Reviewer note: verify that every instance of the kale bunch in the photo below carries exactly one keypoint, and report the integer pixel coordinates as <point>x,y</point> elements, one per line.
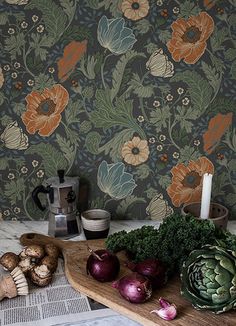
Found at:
<point>176,237</point>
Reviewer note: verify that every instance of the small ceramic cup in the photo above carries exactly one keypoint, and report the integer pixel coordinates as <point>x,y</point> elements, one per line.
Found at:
<point>95,223</point>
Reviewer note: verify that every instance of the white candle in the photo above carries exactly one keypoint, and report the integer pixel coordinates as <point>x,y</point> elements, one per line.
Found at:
<point>206,196</point>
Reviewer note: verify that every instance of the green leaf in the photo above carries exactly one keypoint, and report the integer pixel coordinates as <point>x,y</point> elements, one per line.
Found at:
<point>3,163</point>
<point>66,147</point>
<point>53,16</point>
<point>159,117</point>
<point>232,164</point>
<point>14,44</point>
<point>188,8</point>
<point>230,54</point>
<point>218,37</point>
<point>125,205</point>
<point>92,142</point>
<point>3,18</point>
<point>219,183</point>
<point>222,104</point>
<point>43,81</point>
<point>188,153</point>
<point>72,111</point>
<point>68,7</point>
<point>114,7</point>
<point>52,159</point>
<point>164,35</point>
<point>113,146</point>
<point>164,180</point>
<point>14,190</point>
<point>18,108</point>
<point>40,44</point>
<point>142,171</point>
<point>232,18</point>
<point>199,89</point>
<point>142,26</point>
<point>5,120</point>
<point>77,33</point>
<point>233,70</point>
<point>230,199</point>
<point>87,66</point>
<point>142,91</point>
<point>106,115</point>
<point>118,72</point>
<point>2,98</point>
<point>213,76</point>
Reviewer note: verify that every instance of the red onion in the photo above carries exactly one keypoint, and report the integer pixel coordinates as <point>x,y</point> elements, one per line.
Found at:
<point>134,287</point>
<point>153,269</point>
<point>102,265</point>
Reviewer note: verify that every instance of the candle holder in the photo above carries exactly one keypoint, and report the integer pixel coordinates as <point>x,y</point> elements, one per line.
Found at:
<point>218,213</point>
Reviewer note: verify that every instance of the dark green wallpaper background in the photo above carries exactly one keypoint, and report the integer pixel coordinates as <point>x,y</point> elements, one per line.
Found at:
<point>137,97</point>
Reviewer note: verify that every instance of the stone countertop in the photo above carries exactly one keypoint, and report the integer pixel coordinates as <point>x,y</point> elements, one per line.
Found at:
<point>10,231</point>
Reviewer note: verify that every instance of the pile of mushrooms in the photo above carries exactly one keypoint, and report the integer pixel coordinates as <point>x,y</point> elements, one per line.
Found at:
<point>38,263</point>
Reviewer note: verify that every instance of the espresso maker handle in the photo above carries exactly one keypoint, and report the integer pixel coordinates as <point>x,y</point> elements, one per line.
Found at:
<point>36,191</point>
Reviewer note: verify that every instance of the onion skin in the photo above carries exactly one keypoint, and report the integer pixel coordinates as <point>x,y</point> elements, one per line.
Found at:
<point>103,265</point>
<point>153,269</point>
<point>134,287</point>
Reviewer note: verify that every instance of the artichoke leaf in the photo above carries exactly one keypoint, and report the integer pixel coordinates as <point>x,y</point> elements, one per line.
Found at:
<point>205,295</point>
<point>226,263</point>
<point>232,292</point>
<point>224,278</point>
<point>210,274</point>
<point>209,263</point>
<point>222,295</point>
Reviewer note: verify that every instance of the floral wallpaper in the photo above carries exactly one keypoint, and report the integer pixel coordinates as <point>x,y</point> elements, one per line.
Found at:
<point>136,97</point>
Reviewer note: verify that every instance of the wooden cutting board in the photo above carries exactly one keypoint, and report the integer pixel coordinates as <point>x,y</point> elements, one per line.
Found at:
<point>75,255</point>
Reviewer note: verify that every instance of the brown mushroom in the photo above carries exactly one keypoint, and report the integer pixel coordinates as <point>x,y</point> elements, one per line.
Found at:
<point>51,250</point>
<point>34,251</point>
<point>22,254</point>
<point>26,265</point>
<point>50,262</point>
<point>40,275</point>
<point>9,260</point>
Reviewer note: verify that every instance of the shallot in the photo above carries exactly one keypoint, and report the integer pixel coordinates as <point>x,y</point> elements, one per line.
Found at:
<point>134,287</point>
<point>168,311</point>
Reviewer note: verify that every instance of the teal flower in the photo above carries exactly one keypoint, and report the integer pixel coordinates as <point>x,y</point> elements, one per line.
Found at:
<point>113,35</point>
<point>114,181</point>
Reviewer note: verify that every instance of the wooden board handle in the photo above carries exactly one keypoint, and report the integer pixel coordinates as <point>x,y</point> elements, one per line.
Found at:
<point>34,238</point>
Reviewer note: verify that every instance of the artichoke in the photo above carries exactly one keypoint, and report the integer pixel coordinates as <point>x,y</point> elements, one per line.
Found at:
<point>208,279</point>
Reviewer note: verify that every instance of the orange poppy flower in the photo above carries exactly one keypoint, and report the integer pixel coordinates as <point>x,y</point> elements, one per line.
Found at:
<point>135,151</point>
<point>72,54</point>
<point>189,37</point>
<point>216,129</point>
<point>44,110</point>
<point>186,186</point>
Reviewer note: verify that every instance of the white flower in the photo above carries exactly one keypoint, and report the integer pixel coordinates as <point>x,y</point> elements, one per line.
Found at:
<point>16,210</point>
<point>40,173</point>
<point>11,31</point>
<point>1,78</point>
<point>159,148</point>
<point>180,90</point>
<point>24,169</point>
<point>13,137</point>
<point>51,70</point>
<point>140,118</point>
<point>176,155</point>
<point>35,18</point>
<point>14,75</point>
<point>159,65</point>
<point>6,67</point>
<point>156,104</point>
<point>162,137</point>
<point>6,212</point>
<point>152,140</point>
<point>185,101</point>
<point>17,65</point>
<point>40,28</point>
<point>11,176</point>
<point>158,208</point>
<point>17,2</point>
<point>196,142</point>
<point>24,24</point>
<point>30,82</point>
<point>159,2</point>
<point>176,10</point>
<point>35,163</point>
<point>169,97</point>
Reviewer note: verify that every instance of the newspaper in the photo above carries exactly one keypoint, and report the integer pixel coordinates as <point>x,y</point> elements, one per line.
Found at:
<point>55,304</point>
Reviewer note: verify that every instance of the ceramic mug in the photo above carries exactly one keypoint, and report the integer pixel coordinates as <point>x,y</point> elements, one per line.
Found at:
<point>95,223</point>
